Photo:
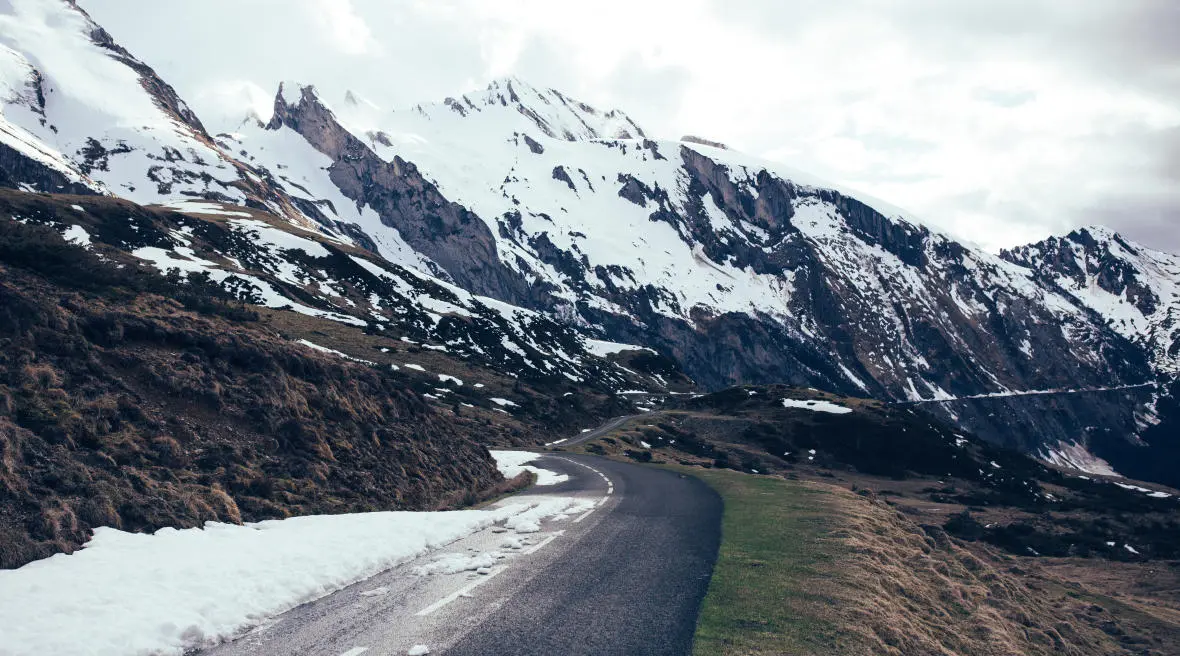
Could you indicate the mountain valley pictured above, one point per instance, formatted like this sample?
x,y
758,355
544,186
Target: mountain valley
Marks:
x,y
335,308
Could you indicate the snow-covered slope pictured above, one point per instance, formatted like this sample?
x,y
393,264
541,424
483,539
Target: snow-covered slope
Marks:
x,y
80,114
69,86
641,229
1135,289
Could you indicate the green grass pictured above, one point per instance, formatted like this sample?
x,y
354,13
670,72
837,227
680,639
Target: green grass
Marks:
x,y
767,592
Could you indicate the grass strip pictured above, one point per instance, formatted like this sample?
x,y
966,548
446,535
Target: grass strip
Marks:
x,y
767,594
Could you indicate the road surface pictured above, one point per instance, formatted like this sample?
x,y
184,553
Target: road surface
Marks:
x,y
625,578
593,434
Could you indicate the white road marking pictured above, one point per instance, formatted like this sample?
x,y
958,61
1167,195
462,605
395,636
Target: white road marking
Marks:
x,y
355,651
610,485
537,547
585,514
461,592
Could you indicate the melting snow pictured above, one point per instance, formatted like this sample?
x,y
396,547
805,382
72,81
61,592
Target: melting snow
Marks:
x,y
175,590
76,234
202,207
512,463
817,406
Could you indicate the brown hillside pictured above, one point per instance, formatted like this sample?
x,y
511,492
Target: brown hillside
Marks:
x,y
132,401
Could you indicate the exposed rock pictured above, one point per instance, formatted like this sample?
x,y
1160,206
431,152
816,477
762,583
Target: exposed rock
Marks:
x,y
18,171
704,142
444,231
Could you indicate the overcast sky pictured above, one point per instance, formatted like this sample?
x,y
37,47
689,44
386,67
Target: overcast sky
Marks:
x,y
998,121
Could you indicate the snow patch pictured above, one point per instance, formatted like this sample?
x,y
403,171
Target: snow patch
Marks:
x,y
512,463
76,234
817,406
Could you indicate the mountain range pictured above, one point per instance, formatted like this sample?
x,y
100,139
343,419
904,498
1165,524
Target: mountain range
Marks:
x,y
538,237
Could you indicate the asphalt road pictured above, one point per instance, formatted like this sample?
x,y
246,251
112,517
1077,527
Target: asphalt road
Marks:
x,y
595,433
625,578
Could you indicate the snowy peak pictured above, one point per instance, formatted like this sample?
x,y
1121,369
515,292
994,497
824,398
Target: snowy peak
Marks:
x,y
76,102
558,116
1134,288
292,94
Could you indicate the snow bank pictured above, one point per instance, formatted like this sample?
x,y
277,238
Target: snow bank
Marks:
x,y
817,406
512,463
163,593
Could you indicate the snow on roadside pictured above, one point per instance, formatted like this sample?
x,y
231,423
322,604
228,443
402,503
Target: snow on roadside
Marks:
x,y
164,593
512,463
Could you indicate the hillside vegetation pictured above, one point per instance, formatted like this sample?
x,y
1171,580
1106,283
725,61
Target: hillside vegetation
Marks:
x,y
138,401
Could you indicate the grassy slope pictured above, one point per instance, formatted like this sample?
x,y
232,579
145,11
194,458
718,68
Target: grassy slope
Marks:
x,y
810,568
767,592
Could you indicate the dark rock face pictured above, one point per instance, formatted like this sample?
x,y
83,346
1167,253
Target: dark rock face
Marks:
x,y
536,148
560,174
449,234
17,169
1154,456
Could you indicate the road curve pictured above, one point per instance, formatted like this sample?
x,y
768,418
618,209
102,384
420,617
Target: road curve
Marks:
x,y
595,433
625,578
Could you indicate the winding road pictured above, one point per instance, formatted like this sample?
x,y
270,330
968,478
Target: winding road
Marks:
x,y
593,434
626,577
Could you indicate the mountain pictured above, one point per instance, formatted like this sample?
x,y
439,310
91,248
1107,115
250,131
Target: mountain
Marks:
x,y
81,114
532,234
1133,288
740,269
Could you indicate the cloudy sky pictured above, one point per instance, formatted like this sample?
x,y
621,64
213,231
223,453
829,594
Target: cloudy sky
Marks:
x,y
999,121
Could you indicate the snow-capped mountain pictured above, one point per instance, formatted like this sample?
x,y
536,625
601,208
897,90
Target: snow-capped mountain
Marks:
x,y
79,113
741,270
1135,289
82,115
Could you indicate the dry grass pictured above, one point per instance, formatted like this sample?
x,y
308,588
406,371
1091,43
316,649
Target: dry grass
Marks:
x,y
912,591
808,567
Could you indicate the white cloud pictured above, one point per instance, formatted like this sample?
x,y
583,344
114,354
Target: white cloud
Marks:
x,y
346,31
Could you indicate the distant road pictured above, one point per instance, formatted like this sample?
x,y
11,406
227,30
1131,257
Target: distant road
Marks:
x,y
595,433
1006,395
625,578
